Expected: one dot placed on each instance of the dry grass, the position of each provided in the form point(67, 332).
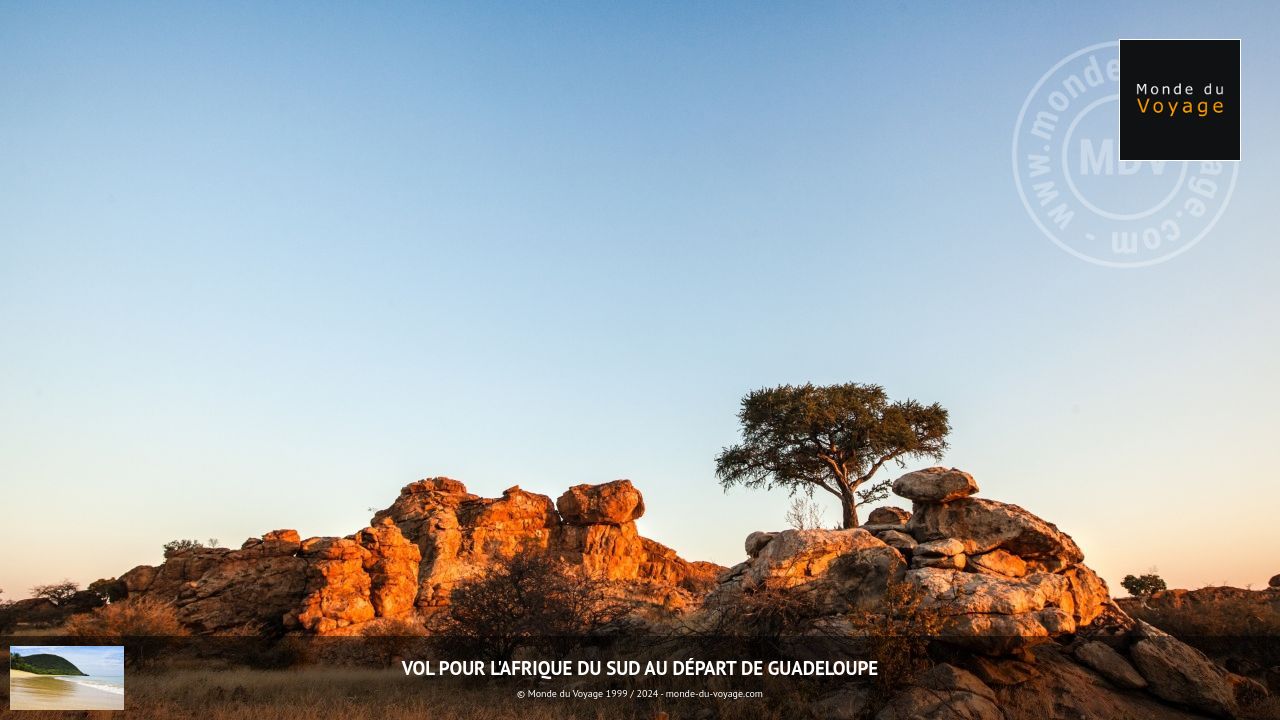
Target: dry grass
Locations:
point(319, 693)
point(141, 617)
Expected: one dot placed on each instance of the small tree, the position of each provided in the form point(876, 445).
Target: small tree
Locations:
point(57, 593)
point(833, 437)
point(804, 513)
point(1142, 586)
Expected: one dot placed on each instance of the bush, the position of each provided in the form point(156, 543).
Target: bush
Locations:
point(148, 624)
point(177, 546)
point(531, 601)
point(899, 635)
point(138, 617)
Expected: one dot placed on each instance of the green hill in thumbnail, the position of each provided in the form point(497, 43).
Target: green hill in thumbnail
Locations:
point(44, 664)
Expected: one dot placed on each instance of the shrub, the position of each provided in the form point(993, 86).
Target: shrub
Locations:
point(899, 635)
point(137, 617)
point(177, 546)
point(148, 624)
point(531, 601)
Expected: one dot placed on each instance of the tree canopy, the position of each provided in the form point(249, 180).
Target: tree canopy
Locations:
point(831, 437)
point(57, 593)
point(1142, 586)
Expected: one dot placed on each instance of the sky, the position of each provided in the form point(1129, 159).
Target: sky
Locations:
point(263, 264)
point(90, 659)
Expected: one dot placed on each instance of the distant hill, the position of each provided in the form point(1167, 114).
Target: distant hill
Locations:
point(44, 664)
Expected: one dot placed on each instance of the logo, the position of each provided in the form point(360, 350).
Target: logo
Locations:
point(1180, 99)
point(1082, 196)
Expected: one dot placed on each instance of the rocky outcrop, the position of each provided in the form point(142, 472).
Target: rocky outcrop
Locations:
point(392, 565)
point(836, 570)
point(986, 525)
point(253, 587)
point(434, 536)
point(1274, 581)
point(1036, 629)
point(592, 526)
point(338, 589)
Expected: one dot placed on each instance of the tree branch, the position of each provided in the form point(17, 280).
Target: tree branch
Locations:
point(879, 463)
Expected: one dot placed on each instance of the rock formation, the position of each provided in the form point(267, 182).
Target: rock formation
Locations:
point(434, 536)
point(1029, 630)
point(1013, 598)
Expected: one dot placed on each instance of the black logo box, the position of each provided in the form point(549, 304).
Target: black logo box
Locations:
point(1187, 68)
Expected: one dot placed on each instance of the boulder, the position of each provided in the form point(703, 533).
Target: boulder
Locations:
point(276, 543)
point(139, 579)
point(946, 554)
point(944, 692)
point(967, 593)
point(935, 485)
point(998, 562)
point(888, 516)
point(756, 541)
point(1274, 581)
point(899, 541)
point(1180, 674)
point(986, 525)
point(995, 614)
point(940, 548)
point(839, 569)
point(944, 562)
point(612, 503)
point(1108, 663)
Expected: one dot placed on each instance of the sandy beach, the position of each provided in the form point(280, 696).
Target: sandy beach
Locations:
point(28, 691)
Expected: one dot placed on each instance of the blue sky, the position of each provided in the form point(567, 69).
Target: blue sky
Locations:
point(90, 659)
point(261, 265)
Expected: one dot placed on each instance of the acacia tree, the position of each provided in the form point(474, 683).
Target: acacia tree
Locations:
point(1142, 586)
point(57, 593)
point(831, 437)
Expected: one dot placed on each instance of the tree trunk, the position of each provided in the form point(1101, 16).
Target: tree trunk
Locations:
point(849, 507)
